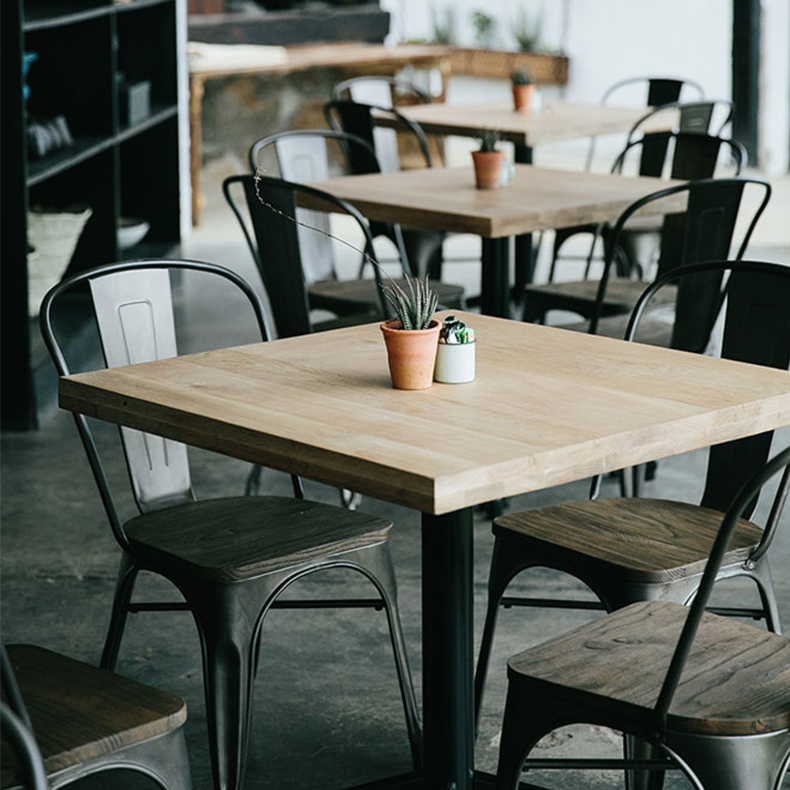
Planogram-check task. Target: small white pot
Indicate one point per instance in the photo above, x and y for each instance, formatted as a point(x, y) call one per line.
point(455, 363)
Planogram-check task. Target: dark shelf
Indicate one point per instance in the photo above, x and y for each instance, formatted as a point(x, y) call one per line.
point(67, 12)
point(84, 148)
point(158, 115)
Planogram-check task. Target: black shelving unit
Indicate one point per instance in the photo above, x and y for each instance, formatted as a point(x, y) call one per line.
point(87, 50)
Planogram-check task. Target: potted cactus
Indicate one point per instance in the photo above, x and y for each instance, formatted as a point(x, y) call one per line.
point(523, 90)
point(488, 161)
point(412, 338)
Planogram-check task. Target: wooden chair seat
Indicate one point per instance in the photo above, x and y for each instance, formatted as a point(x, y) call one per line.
point(80, 712)
point(650, 541)
point(238, 538)
point(652, 331)
point(361, 296)
point(580, 297)
point(736, 680)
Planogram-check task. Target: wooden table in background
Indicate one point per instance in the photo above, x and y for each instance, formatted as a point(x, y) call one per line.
point(537, 199)
point(353, 57)
point(548, 406)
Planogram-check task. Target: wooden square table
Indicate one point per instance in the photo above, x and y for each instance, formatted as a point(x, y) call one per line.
point(548, 406)
point(537, 198)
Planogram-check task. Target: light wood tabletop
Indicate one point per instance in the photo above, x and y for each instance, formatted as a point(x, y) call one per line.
point(551, 124)
point(548, 406)
point(537, 198)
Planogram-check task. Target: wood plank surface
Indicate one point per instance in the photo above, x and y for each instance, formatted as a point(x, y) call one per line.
point(80, 712)
point(553, 123)
point(736, 680)
point(548, 406)
point(335, 55)
point(538, 198)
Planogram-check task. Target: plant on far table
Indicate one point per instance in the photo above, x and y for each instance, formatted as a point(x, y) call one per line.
point(413, 305)
point(484, 25)
point(522, 77)
point(488, 141)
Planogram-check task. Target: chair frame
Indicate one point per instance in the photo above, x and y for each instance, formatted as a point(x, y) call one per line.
point(164, 758)
point(713, 756)
point(509, 558)
point(228, 615)
point(402, 85)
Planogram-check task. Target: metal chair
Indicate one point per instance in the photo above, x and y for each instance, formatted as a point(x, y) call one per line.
point(711, 695)
point(657, 91)
point(229, 557)
point(376, 89)
point(629, 549)
point(617, 290)
point(304, 155)
point(424, 247)
point(278, 239)
point(83, 721)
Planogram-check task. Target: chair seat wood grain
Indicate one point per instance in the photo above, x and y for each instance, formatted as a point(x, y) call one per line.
point(736, 680)
point(580, 297)
point(238, 538)
point(653, 331)
point(642, 540)
point(80, 712)
point(361, 296)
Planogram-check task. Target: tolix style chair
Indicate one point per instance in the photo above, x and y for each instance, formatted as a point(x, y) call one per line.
point(230, 557)
point(632, 549)
point(709, 694)
point(62, 720)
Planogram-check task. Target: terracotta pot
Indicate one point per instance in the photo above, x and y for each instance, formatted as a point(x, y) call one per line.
point(522, 97)
point(488, 168)
point(411, 354)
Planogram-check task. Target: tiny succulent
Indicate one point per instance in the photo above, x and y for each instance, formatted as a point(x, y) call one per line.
point(488, 140)
point(413, 305)
point(522, 77)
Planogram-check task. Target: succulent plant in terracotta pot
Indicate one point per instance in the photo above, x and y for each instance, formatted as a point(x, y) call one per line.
point(413, 337)
point(523, 90)
point(488, 160)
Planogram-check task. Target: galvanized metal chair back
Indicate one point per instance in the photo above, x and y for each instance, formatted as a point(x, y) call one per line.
point(132, 303)
point(757, 331)
point(303, 155)
point(359, 119)
point(275, 243)
point(739, 508)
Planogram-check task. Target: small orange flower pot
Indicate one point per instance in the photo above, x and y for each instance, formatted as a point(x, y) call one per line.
point(522, 97)
point(411, 354)
point(488, 168)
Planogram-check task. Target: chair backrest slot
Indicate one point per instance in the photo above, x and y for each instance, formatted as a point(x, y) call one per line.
point(134, 313)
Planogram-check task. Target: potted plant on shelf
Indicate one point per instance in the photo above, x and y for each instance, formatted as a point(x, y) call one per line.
point(523, 90)
point(412, 338)
point(488, 161)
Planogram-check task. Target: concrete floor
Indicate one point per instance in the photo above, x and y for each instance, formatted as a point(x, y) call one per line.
point(327, 710)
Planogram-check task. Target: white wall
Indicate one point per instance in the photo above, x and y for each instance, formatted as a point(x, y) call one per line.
point(608, 40)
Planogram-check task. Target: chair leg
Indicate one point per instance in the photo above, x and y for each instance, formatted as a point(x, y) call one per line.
point(227, 631)
point(124, 586)
point(502, 571)
point(762, 578)
point(253, 484)
point(756, 762)
point(379, 569)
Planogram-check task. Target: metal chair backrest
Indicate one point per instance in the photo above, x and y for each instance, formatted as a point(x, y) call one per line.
point(700, 117)
point(686, 155)
point(275, 243)
point(740, 504)
point(133, 307)
point(17, 730)
point(303, 155)
point(359, 119)
point(756, 330)
point(703, 231)
point(658, 91)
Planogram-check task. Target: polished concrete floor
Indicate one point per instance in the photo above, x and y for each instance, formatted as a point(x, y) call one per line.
point(327, 711)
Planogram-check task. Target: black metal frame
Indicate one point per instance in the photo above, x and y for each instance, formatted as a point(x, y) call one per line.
point(402, 86)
